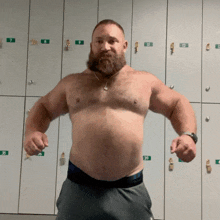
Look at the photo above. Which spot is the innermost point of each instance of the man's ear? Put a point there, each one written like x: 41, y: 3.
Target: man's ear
x: 91, y: 45
x: 125, y: 46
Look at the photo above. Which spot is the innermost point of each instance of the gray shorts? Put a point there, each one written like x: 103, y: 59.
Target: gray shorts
x: 91, y: 202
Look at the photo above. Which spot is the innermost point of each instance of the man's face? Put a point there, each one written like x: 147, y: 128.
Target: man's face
x: 108, y: 47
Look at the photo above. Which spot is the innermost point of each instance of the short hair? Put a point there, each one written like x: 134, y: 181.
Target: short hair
x: 108, y: 21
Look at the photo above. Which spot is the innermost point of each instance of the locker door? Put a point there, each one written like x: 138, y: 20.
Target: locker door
x: 13, y: 46
x: 11, y: 124
x: 65, y: 144
x: 211, y: 51
x: 45, y: 46
x: 153, y: 156
x: 38, y: 176
x: 149, y: 31
x: 211, y: 152
x: 184, y: 64
x: 183, y: 184
x: 121, y: 12
x: 79, y: 21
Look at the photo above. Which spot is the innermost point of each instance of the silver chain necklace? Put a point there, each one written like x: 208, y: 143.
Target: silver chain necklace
x: 105, y: 88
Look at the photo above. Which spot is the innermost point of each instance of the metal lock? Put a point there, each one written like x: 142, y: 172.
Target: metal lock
x: 171, y: 166
x: 27, y: 157
x: 136, y: 47
x: 172, y: 48
x: 172, y: 87
x: 67, y: 47
x: 208, y: 166
x: 34, y: 42
x: 62, y: 159
x: 208, y: 47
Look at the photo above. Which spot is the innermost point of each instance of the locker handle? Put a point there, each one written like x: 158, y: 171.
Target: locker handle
x: 0, y: 43
x: 172, y: 48
x: 208, y: 166
x: 171, y: 165
x: 136, y: 47
x: 62, y: 159
x: 67, y: 47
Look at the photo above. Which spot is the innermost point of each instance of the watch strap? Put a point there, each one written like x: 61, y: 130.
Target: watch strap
x: 192, y: 135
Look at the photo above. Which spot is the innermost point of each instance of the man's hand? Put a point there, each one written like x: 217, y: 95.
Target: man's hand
x: 184, y: 147
x: 35, y: 142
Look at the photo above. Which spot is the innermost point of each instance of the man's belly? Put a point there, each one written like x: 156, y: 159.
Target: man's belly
x: 107, y: 143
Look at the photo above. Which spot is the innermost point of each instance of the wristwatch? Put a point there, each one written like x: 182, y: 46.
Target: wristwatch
x: 192, y: 135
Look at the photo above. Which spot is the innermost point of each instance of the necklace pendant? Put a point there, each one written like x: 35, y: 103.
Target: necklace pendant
x: 105, y: 88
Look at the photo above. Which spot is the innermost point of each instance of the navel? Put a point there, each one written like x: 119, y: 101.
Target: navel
x: 77, y: 100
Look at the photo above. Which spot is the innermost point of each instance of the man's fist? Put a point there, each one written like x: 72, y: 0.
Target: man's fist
x: 35, y: 142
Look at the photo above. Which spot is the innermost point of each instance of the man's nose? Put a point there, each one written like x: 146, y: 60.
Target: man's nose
x: 105, y: 46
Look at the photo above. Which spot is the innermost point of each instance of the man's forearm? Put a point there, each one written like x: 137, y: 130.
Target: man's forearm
x: 38, y: 119
x: 183, y: 117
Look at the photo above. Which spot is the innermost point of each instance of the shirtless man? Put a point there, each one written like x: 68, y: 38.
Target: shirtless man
x: 107, y: 104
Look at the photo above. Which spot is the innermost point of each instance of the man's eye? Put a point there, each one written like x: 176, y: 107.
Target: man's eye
x: 111, y: 41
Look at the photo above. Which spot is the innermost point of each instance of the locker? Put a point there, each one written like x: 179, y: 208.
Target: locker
x: 184, y: 61
x: 153, y: 156
x: 121, y: 12
x: 13, y: 55
x: 183, y: 184
x: 45, y: 46
x: 211, y: 52
x: 11, y: 124
x: 79, y: 21
x: 38, y: 173
x: 149, y: 31
x: 211, y: 152
x: 65, y: 144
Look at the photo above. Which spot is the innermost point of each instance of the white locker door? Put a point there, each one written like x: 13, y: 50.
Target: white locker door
x: 65, y: 144
x: 14, y: 17
x: 11, y: 126
x: 183, y: 184
x: 121, y: 12
x: 211, y: 51
x: 38, y: 176
x: 45, y: 46
x: 153, y: 156
x: 184, y: 64
x: 211, y: 152
x: 79, y: 21
x: 149, y: 31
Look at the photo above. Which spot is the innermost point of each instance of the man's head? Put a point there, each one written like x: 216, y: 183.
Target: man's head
x: 108, y: 47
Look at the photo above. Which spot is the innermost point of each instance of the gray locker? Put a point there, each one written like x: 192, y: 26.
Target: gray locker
x: 79, y: 21
x: 183, y: 184
x: 65, y: 144
x: 184, y: 64
x: 13, y: 46
x: 210, y: 154
x: 45, y: 46
x: 121, y: 12
x: 153, y: 156
x: 149, y: 31
x: 11, y: 124
x: 211, y: 51
x: 38, y: 174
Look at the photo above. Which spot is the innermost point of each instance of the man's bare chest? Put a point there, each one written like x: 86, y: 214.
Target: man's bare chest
x: 131, y: 94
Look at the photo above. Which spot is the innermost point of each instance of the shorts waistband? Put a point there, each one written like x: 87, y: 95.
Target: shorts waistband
x: 78, y: 176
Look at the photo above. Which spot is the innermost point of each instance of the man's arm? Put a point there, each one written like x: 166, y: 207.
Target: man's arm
x: 172, y: 105
x: 47, y: 108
